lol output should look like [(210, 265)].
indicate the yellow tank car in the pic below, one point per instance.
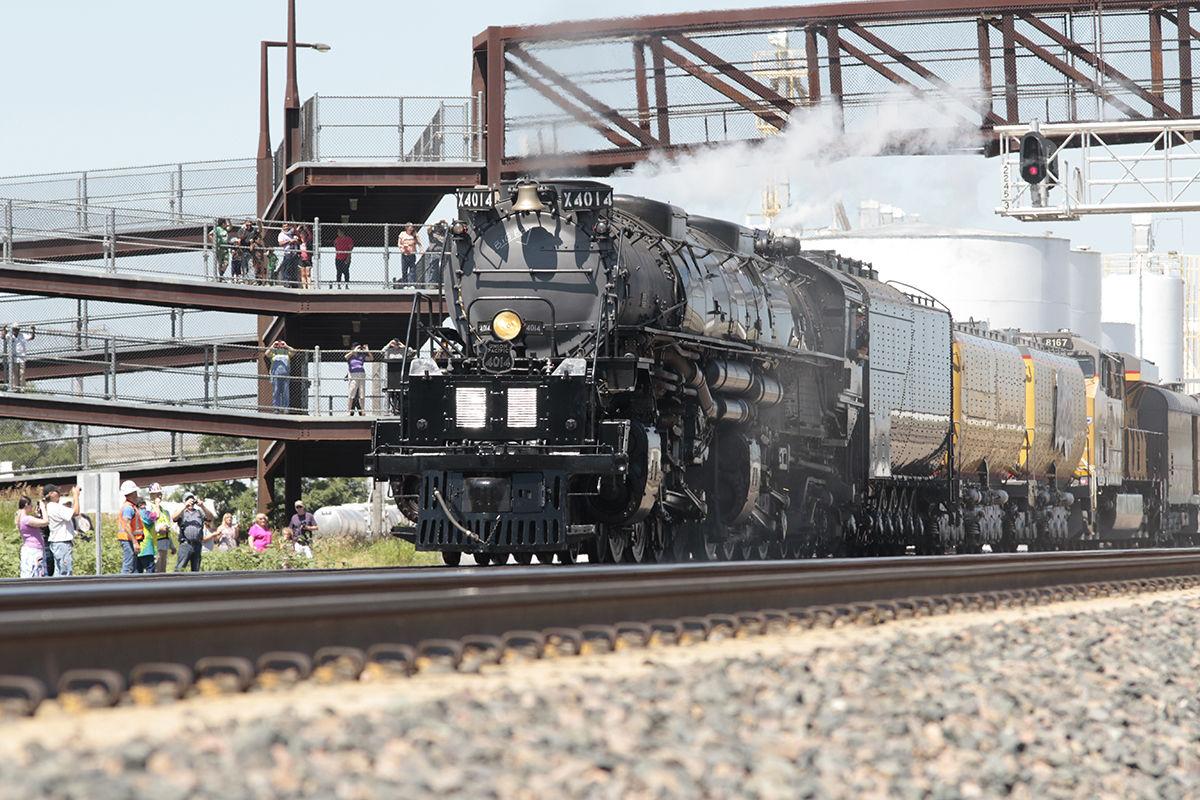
[(1056, 428), (989, 405)]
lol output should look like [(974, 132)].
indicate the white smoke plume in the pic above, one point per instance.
[(825, 165)]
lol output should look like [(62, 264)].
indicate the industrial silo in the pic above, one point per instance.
[(1087, 274), (1152, 301), (1006, 280)]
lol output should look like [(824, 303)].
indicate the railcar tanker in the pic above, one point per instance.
[(620, 378)]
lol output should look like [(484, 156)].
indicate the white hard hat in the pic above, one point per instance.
[(128, 488)]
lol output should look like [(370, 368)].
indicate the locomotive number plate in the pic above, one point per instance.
[(1058, 343), (580, 199), (497, 357), (476, 199)]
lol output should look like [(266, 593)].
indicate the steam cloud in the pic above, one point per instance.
[(825, 164)]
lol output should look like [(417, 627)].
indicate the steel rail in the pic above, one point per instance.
[(50, 627)]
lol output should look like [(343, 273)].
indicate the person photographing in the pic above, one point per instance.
[(194, 521)]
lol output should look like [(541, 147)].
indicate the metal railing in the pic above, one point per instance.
[(142, 242), (212, 374), (380, 128), (204, 188), (33, 449)]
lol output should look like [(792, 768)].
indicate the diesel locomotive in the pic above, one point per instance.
[(619, 378)]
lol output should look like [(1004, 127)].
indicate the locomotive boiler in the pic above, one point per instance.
[(625, 380)]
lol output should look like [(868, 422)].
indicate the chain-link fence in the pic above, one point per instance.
[(32, 449), (405, 129), (245, 250), (214, 374), (103, 318)]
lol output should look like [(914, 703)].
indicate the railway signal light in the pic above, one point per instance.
[(1035, 158)]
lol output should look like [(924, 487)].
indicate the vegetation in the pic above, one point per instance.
[(328, 552), (33, 445)]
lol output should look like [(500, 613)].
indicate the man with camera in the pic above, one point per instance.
[(194, 521), (62, 528)]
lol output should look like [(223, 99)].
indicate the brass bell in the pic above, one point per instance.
[(527, 198)]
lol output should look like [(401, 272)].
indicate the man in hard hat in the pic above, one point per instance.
[(163, 527), (131, 531)]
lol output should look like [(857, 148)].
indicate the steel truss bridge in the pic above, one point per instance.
[(599, 96)]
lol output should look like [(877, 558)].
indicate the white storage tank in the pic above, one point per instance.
[(1006, 280), (1119, 336), (352, 519), (1153, 303), (1087, 274)]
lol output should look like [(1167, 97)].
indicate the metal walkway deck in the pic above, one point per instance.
[(85, 283), (183, 419), (193, 470), (134, 358)]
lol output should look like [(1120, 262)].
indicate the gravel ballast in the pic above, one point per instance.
[(1084, 699)]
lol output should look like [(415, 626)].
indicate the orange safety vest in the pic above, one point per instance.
[(130, 529)]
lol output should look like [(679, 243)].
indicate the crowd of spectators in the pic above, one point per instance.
[(254, 254), (148, 533)]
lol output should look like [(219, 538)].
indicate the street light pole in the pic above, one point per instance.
[(291, 97), (264, 171)]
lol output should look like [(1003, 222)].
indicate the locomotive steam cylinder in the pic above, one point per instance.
[(729, 377), (767, 392)]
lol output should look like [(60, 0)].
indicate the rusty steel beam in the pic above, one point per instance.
[(833, 44), (560, 81), (1156, 55), (813, 64), (1012, 105), (494, 99), (1069, 71), (182, 419), (920, 69), (175, 292), (785, 16), (985, 64), (733, 73), (84, 245), (640, 80), (548, 92), (1186, 34), (660, 92), (1081, 52), (721, 87)]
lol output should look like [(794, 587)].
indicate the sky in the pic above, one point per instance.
[(132, 82)]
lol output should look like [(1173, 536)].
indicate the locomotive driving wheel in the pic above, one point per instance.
[(611, 545), (637, 543), (660, 540)]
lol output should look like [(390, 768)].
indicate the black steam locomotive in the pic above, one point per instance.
[(622, 379)]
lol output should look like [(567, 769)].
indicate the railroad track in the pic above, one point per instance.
[(95, 642)]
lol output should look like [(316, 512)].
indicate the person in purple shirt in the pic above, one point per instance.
[(303, 525), (356, 360), (33, 547)]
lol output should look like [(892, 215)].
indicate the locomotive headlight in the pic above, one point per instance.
[(507, 325)]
